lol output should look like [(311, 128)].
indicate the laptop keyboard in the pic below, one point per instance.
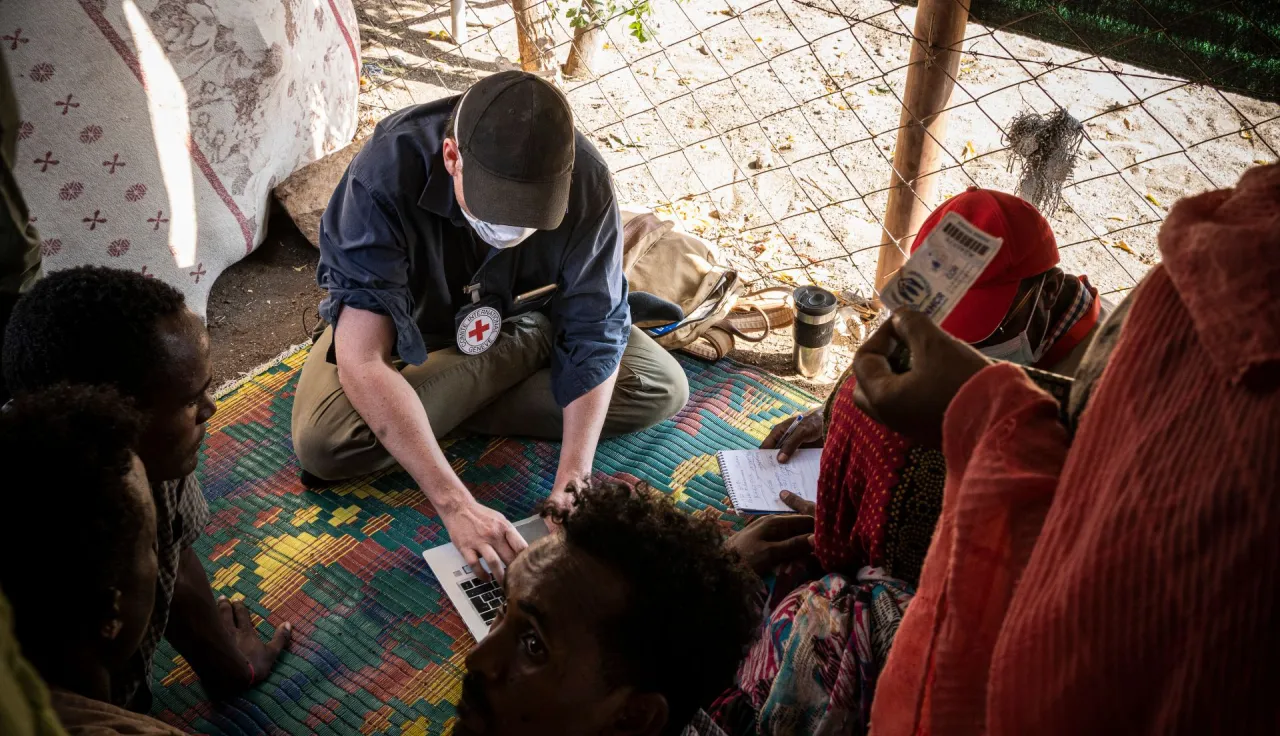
[(486, 597)]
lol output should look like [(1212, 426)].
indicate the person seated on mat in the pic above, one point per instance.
[(1125, 559), (880, 494), (481, 229), (628, 622), (103, 326), (80, 606)]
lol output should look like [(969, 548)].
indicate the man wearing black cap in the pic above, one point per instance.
[(481, 229)]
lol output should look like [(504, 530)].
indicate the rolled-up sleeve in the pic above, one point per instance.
[(364, 263), (590, 310)]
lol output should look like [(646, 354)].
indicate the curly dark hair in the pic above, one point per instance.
[(89, 325), (71, 446), (692, 610)]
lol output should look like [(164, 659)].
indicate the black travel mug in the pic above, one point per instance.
[(815, 322)]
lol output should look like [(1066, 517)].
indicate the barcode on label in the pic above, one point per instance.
[(965, 239)]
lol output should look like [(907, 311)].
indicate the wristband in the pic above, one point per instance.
[(253, 677)]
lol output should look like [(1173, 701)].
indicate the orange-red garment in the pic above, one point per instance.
[(1146, 601), (1004, 447)]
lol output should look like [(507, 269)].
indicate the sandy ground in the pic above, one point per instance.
[(264, 304), (768, 128)]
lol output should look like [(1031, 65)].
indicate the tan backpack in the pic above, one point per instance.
[(685, 270)]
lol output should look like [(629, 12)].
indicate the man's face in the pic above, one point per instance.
[(1031, 310), (180, 403), (495, 234), (541, 669)]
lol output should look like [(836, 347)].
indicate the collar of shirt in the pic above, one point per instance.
[(437, 196), (438, 199)]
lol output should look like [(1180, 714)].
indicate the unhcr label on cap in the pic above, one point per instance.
[(939, 273)]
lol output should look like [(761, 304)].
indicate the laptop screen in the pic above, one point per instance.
[(532, 529)]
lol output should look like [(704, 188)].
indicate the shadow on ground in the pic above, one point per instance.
[(264, 304)]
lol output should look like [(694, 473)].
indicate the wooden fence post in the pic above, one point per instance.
[(935, 61)]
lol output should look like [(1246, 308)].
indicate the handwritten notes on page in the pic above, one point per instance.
[(755, 478)]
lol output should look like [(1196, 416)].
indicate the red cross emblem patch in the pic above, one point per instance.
[(478, 330)]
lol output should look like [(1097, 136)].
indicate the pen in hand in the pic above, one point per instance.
[(783, 456)]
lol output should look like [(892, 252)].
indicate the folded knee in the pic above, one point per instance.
[(315, 452), (330, 456), (643, 400), (675, 394)]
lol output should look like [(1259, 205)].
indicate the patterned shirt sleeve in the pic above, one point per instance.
[(193, 509), (181, 515)]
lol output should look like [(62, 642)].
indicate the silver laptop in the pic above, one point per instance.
[(479, 601)]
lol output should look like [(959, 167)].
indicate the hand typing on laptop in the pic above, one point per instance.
[(473, 591)]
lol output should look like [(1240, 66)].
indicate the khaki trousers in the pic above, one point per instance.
[(505, 390)]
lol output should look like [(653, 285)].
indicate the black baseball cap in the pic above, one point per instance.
[(515, 134)]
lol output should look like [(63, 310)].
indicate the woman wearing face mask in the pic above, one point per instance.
[(880, 495)]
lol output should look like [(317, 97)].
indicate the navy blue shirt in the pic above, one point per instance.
[(394, 241)]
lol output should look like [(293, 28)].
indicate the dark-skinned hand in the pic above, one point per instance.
[(773, 541), (810, 433), (794, 502), (261, 655), (799, 505), (915, 401)]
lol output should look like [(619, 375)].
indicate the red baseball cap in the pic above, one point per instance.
[(1029, 248)]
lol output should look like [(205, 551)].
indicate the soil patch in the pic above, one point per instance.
[(265, 303)]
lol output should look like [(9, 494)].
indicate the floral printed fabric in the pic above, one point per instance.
[(814, 668), (152, 131)]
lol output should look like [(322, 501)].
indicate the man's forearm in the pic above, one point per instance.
[(583, 420), (198, 634), (388, 404)]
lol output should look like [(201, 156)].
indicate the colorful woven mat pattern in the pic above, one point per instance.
[(377, 648)]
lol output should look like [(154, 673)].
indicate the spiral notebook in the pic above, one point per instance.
[(755, 479)]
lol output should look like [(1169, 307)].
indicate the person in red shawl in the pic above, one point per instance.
[(1115, 573), (880, 494)]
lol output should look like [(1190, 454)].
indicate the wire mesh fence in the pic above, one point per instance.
[(769, 126)]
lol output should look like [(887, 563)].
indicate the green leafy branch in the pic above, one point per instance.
[(597, 12)]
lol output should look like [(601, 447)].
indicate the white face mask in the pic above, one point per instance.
[(1018, 350), (499, 236)]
